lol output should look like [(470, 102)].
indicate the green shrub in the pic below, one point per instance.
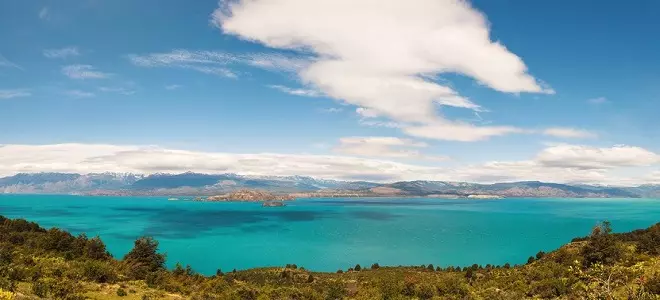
[(121, 292), (144, 258), (99, 271)]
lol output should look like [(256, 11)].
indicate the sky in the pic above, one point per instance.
[(383, 90)]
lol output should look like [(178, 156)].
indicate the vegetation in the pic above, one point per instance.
[(39, 263)]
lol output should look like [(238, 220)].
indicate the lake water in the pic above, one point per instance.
[(328, 234)]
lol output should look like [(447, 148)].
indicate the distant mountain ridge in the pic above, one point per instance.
[(199, 184)]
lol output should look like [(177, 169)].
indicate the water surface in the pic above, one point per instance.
[(328, 234)]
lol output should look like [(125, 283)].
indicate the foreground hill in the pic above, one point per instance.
[(37, 263), (196, 184)]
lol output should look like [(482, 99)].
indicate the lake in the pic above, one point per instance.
[(334, 233)]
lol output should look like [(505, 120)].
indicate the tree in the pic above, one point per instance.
[(95, 249), (375, 266), (469, 274), (430, 267), (357, 267), (530, 259), (602, 246), (540, 255), (144, 257)]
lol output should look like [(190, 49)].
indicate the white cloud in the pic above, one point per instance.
[(61, 53), (117, 90), (457, 131), (83, 72), (386, 67), (332, 110), (587, 157), (172, 87), (4, 62), (366, 112), (296, 92), (563, 132), (90, 158), (79, 94), (598, 100), (15, 93), (217, 62), (376, 123), (389, 147), (44, 13)]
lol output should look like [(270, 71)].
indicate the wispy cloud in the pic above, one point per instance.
[(295, 91), (4, 62), (15, 93), (62, 53), (564, 132), (172, 87), (377, 123), (44, 13), (390, 147), (598, 100), (83, 72), (332, 110), (218, 62), (79, 94), (117, 90)]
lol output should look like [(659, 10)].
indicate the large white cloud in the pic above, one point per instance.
[(376, 54), (597, 165), (587, 157), (89, 158)]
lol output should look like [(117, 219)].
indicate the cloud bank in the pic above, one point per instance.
[(563, 163)]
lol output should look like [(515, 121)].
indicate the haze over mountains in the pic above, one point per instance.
[(196, 184)]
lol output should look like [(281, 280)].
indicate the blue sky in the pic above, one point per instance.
[(425, 89)]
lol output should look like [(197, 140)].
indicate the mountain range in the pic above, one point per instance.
[(197, 184)]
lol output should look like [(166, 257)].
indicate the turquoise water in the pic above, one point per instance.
[(328, 234)]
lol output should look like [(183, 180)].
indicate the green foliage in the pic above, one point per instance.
[(144, 258), (602, 246), (99, 271), (53, 264)]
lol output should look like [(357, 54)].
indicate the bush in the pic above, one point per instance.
[(99, 272), (144, 258), (121, 292), (602, 246), (357, 267), (6, 295), (375, 266), (425, 291), (95, 249)]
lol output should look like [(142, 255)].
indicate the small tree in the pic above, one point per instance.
[(95, 249), (144, 257), (375, 266), (357, 267), (540, 255), (602, 246), (530, 260), (430, 267), (469, 274)]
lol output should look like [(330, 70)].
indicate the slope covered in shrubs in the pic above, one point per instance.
[(51, 263)]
